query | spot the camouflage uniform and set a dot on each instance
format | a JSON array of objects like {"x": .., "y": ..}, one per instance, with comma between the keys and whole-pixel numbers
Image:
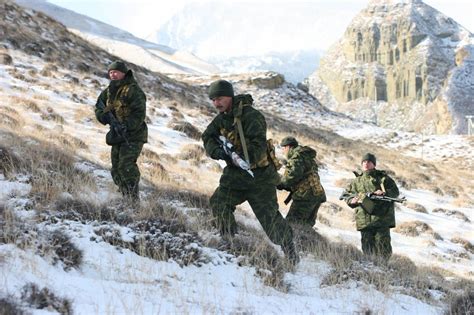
[
  {"x": 126, "y": 100},
  {"x": 237, "y": 186},
  {"x": 374, "y": 226},
  {"x": 301, "y": 177}
]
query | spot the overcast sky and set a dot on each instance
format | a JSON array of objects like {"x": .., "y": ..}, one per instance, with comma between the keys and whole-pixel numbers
[{"x": 142, "y": 17}]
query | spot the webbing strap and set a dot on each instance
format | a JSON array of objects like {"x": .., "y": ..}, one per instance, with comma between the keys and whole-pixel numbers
[{"x": 238, "y": 121}]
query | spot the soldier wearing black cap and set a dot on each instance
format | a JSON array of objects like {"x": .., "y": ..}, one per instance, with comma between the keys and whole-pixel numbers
[
  {"x": 301, "y": 178},
  {"x": 374, "y": 218},
  {"x": 127, "y": 102},
  {"x": 245, "y": 127}
]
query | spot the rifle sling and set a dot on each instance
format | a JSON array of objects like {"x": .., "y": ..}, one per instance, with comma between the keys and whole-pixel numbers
[{"x": 238, "y": 121}]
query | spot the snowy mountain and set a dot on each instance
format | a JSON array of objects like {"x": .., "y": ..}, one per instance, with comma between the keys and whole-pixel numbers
[
  {"x": 287, "y": 38},
  {"x": 123, "y": 44},
  {"x": 68, "y": 244},
  {"x": 399, "y": 61}
]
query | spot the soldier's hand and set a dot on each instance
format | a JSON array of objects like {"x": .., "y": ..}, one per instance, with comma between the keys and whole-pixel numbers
[
  {"x": 220, "y": 155},
  {"x": 354, "y": 200},
  {"x": 378, "y": 193}
]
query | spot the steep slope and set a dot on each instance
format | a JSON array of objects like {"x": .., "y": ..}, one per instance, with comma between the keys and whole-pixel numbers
[
  {"x": 155, "y": 57},
  {"x": 397, "y": 62},
  {"x": 67, "y": 242}
]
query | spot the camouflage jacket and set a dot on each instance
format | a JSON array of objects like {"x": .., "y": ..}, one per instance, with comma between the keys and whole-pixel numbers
[
  {"x": 255, "y": 133},
  {"x": 368, "y": 182},
  {"x": 301, "y": 175},
  {"x": 126, "y": 100}
]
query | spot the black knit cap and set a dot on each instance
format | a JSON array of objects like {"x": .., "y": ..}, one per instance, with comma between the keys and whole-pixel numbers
[
  {"x": 220, "y": 88},
  {"x": 369, "y": 157},
  {"x": 291, "y": 141},
  {"x": 119, "y": 66}
]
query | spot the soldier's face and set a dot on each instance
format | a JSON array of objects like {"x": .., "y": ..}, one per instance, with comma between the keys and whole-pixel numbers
[
  {"x": 286, "y": 149},
  {"x": 116, "y": 75},
  {"x": 222, "y": 103},
  {"x": 367, "y": 165}
]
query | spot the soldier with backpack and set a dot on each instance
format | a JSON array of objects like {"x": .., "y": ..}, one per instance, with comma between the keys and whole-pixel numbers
[
  {"x": 301, "y": 178},
  {"x": 245, "y": 128}
]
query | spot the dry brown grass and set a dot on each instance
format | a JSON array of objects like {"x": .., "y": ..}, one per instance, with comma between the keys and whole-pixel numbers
[
  {"x": 416, "y": 207},
  {"x": 51, "y": 168},
  {"x": 468, "y": 246}
]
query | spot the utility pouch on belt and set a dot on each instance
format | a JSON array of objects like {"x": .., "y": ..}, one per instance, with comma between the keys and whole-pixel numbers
[{"x": 367, "y": 204}]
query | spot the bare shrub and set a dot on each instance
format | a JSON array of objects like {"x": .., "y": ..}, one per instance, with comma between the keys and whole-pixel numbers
[
  {"x": 461, "y": 304},
  {"x": 72, "y": 142},
  {"x": 52, "y": 115},
  {"x": 10, "y": 120},
  {"x": 185, "y": 127},
  {"x": 454, "y": 213},
  {"x": 416, "y": 207},
  {"x": 192, "y": 152},
  {"x": 468, "y": 246},
  {"x": 5, "y": 59},
  {"x": 160, "y": 239},
  {"x": 32, "y": 106},
  {"x": 9, "y": 307},
  {"x": 413, "y": 228},
  {"x": 45, "y": 299},
  {"x": 48, "y": 70},
  {"x": 8, "y": 161},
  {"x": 84, "y": 211},
  {"x": 63, "y": 249}
]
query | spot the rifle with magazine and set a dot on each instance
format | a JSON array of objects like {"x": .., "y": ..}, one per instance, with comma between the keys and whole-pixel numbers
[
  {"x": 374, "y": 197},
  {"x": 115, "y": 125},
  {"x": 366, "y": 200},
  {"x": 235, "y": 158}
]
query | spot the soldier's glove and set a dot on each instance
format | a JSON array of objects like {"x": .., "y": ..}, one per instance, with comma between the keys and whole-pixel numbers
[
  {"x": 220, "y": 154},
  {"x": 281, "y": 187}
]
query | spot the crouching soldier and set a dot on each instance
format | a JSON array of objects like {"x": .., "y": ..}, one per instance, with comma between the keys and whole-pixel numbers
[
  {"x": 301, "y": 178},
  {"x": 122, "y": 105},
  {"x": 245, "y": 129},
  {"x": 374, "y": 218}
]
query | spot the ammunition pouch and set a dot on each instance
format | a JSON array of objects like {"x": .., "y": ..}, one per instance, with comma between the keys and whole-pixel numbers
[{"x": 112, "y": 138}]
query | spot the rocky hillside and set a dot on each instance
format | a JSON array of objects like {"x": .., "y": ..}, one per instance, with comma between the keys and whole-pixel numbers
[
  {"x": 155, "y": 57},
  {"x": 68, "y": 244},
  {"x": 402, "y": 65}
]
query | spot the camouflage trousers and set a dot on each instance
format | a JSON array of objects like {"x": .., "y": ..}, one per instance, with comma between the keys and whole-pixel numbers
[
  {"x": 376, "y": 241},
  {"x": 263, "y": 200},
  {"x": 125, "y": 172},
  {"x": 304, "y": 211}
]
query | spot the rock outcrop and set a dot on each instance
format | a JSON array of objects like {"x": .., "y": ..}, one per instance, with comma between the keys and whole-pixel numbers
[{"x": 401, "y": 65}]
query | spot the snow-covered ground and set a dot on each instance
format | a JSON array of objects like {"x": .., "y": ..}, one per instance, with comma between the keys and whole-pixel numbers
[{"x": 117, "y": 280}]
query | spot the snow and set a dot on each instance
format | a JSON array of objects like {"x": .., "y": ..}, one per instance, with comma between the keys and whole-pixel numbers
[{"x": 117, "y": 280}]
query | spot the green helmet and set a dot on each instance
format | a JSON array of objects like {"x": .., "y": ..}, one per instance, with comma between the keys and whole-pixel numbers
[
  {"x": 291, "y": 141},
  {"x": 220, "y": 88}
]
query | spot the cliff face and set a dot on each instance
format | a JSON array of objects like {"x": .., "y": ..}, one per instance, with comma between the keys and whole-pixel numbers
[{"x": 400, "y": 58}]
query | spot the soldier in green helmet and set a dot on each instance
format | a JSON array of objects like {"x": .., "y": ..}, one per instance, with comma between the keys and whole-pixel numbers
[
  {"x": 125, "y": 100},
  {"x": 374, "y": 218},
  {"x": 301, "y": 178},
  {"x": 245, "y": 127}
]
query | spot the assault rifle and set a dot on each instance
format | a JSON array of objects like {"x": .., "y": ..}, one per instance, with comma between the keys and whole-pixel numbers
[
  {"x": 386, "y": 198},
  {"x": 115, "y": 125},
  {"x": 230, "y": 151},
  {"x": 377, "y": 197}
]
